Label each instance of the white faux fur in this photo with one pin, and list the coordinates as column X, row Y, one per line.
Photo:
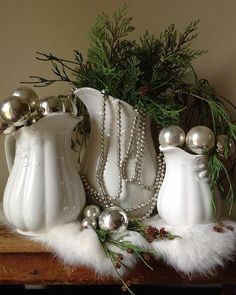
column 198, row 250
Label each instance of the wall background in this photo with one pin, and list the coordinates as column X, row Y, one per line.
column 60, row 26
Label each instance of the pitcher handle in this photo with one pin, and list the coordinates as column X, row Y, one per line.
column 9, row 145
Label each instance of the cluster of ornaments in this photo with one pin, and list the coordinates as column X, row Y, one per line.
column 199, row 140
column 24, row 108
column 112, row 219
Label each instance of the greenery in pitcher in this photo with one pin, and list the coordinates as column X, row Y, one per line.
column 154, row 75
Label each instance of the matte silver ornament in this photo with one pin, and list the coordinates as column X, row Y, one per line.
column 50, row 104
column 114, row 220
column 225, row 146
column 91, row 211
column 172, row 136
column 200, row 140
column 5, row 128
column 68, row 106
column 88, row 222
column 14, row 111
column 29, row 96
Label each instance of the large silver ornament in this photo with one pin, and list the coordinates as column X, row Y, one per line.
column 225, row 146
column 68, row 106
column 29, row 96
column 114, row 220
column 172, row 136
column 91, row 211
column 50, row 104
column 14, row 111
column 200, row 140
column 5, row 128
column 89, row 223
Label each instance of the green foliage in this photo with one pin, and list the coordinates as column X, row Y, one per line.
column 153, row 74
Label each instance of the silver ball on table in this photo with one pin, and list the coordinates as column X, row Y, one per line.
column 172, row 136
column 91, row 211
column 200, row 140
column 114, row 220
column 88, row 222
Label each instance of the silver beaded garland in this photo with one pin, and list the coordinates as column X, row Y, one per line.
column 114, row 220
column 172, row 136
column 200, row 140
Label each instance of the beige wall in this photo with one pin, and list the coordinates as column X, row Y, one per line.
column 60, row 26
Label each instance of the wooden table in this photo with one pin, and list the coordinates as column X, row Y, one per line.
column 24, row 262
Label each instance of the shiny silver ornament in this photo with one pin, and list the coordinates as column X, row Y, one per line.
column 14, row 111
column 29, row 96
column 172, row 136
column 91, row 211
column 114, row 220
column 5, row 128
column 50, row 104
column 225, row 146
column 88, row 222
column 68, row 106
column 33, row 119
column 200, row 140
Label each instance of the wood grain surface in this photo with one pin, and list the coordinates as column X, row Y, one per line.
column 25, row 262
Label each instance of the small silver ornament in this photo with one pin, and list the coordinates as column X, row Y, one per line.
column 50, row 104
column 14, row 111
column 5, row 128
column 33, row 119
column 200, row 140
column 225, row 146
column 172, row 136
column 91, row 211
column 68, row 106
column 88, row 222
column 29, row 96
column 114, row 220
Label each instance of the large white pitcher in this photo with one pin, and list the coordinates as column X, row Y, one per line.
column 44, row 188
column 185, row 197
column 132, row 195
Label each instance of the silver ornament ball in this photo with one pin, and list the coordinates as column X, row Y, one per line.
column 200, row 140
column 91, row 211
column 50, row 104
column 172, row 136
column 5, row 128
column 29, row 96
column 88, row 222
column 68, row 106
column 14, row 111
column 114, row 220
column 225, row 146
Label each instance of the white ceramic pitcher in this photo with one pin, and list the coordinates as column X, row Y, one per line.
column 185, row 197
column 44, row 188
column 132, row 194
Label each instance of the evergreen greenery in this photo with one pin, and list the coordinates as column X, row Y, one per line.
column 153, row 74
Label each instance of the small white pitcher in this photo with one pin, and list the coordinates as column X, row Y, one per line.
column 185, row 197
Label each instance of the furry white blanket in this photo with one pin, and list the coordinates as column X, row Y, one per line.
column 198, row 249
